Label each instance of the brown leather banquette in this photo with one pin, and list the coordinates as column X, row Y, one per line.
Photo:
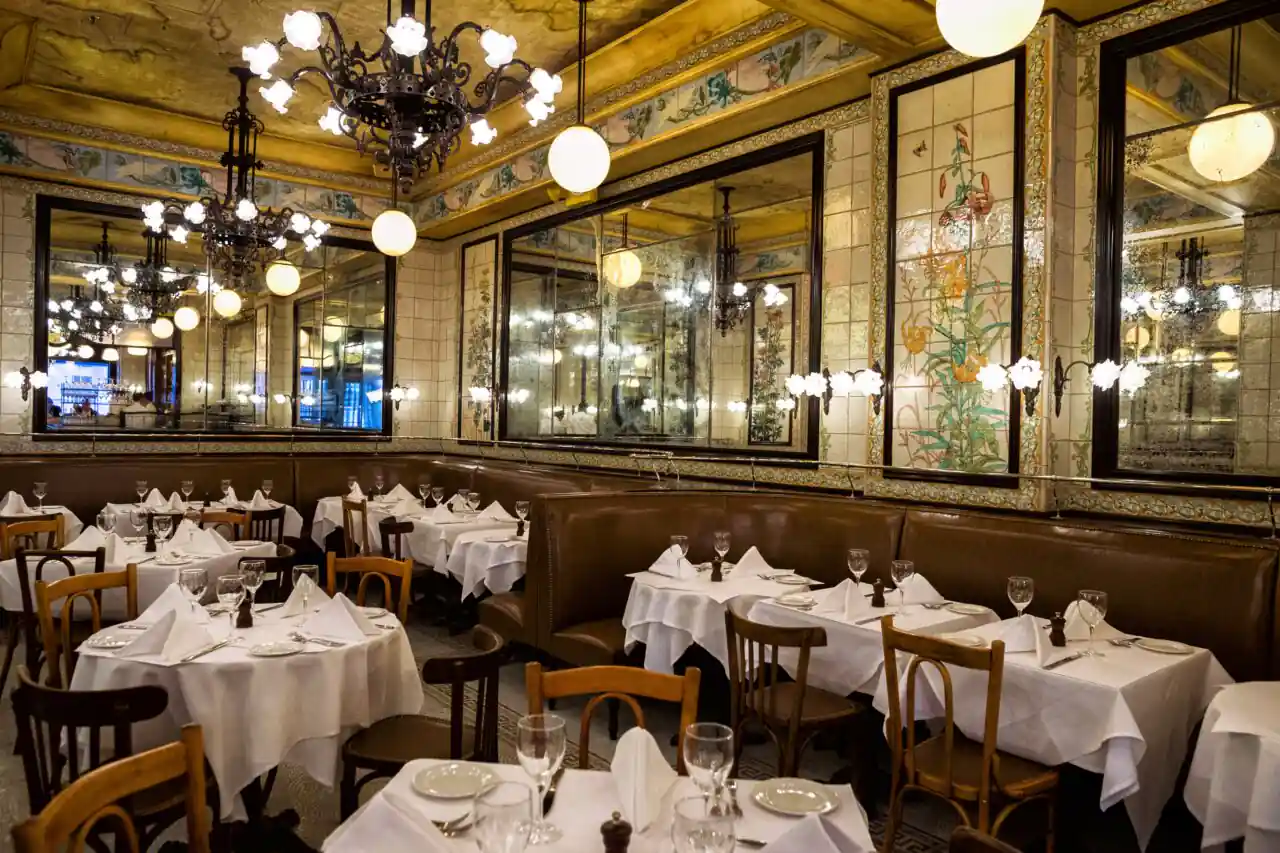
column 1215, row 591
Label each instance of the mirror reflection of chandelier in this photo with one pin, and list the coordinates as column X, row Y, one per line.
column 732, row 298
column 153, row 287
column 90, row 313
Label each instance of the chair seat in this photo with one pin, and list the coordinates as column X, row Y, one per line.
column 1017, row 777
column 401, row 739
column 820, row 707
column 601, row 642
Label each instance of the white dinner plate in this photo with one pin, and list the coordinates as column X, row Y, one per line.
column 278, row 649
column 797, row 600
column 107, row 641
column 964, row 640
column 247, row 543
column 373, row 612
column 794, row 797
column 966, row 609
column 455, row 780
column 170, row 562
column 794, row 580
column 499, row 539
column 1164, row 647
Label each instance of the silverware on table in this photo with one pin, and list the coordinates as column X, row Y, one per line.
column 455, row 826
column 732, row 787
column 1067, row 659
column 752, row 843
column 1123, row 642
column 320, row 641
column 209, row 649
column 549, row 798
column 869, row 619
column 936, row 606
column 270, row 607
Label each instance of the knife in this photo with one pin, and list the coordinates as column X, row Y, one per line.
column 1067, row 659
column 206, row 650
column 270, row 607
column 549, row 797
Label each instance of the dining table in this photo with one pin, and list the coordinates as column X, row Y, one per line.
column 486, row 560
column 291, row 526
column 71, row 523
column 398, row 819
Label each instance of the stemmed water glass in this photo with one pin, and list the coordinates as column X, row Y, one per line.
column 424, row 489
column 193, row 582
column 1093, row 609
column 708, row 756
column 473, row 502
column 138, row 518
column 701, row 826
column 106, row 521
column 900, row 571
column 858, row 560
column 721, row 545
column 40, row 490
column 251, row 575
column 162, row 524
column 681, row 544
column 310, row 574
column 230, row 594
column 540, row 745
column 141, row 488
column 378, row 483
column 522, row 510
column 461, row 497
column 187, row 487
column 502, row 817
column 437, row 495
column 267, row 486
column 1021, row 590
column 225, row 485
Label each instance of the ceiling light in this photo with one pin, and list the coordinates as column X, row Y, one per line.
column 283, row 278
column 186, row 318
column 136, row 350
column 394, row 232
column 110, row 354
column 226, row 303
column 1235, row 140
column 85, row 351
column 162, row 328
column 989, row 27
column 579, row 157
column 332, row 334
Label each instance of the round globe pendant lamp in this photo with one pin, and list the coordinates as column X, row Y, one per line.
column 623, row 269
column 987, row 27
column 162, row 328
column 186, row 318
column 579, row 157
column 226, row 303
column 394, row 232
column 283, row 278
column 1235, row 140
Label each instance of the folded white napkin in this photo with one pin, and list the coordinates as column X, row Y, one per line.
column 406, row 508
column 495, row 512
column 388, row 822
column 1019, row 634
column 1078, row 629
column 89, row 539
column 454, row 502
column 399, row 493
column 1047, row 652
column 355, row 494
column 341, row 620
column 173, row 637
column 316, row 597
column 815, row 834
column 440, row 513
column 642, row 776
column 208, row 542
column 14, row 505
column 847, row 599
column 260, row 501
column 917, row 590
column 751, row 563
column 671, row 564
column 119, row 552
column 154, row 500
column 170, row 600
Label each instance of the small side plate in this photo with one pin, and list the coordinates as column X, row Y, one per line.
column 247, row 543
column 966, row 609
column 797, row 600
column 794, row 797
column 1164, row 647
column 278, row 649
column 454, row 780
column 794, row 580
column 964, row 640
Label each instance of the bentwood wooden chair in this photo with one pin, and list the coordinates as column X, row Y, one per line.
column 47, row 533
column 265, row 525
column 389, row 744
column 792, row 711
column 396, row 595
column 355, row 527
column 58, row 634
column 227, row 523
column 966, row 840
column 621, row 683
column 392, row 533
column 972, row 777
column 98, row 801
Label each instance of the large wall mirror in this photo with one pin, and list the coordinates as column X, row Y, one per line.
column 144, row 337
column 1189, row 229
column 671, row 317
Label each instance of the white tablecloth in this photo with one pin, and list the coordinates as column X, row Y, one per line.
column 431, row 541
column 152, row 579
column 479, row 563
column 853, row 658
column 125, row 527
column 1128, row 716
column 397, row 820
column 258, row 713
column 428, row 544
column 328, row 518
column 71, row 524
column 1234, row 785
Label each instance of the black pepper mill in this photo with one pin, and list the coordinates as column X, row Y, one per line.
column 616, row 833
column 716, row 574
column 877, row 593
column 244, row 616
column 520, row 528
column 151, row 534
column 1057, row 630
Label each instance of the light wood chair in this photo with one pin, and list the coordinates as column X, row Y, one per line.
column 28, row 534
column 969, row 775
column 59, row 635
column 621, row 683
column 92, row 804
column 355, row 527
column 369, row 568
column 966, row 840
column 234, row 522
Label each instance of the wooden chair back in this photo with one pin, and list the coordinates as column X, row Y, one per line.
column 622, row 683
column 28, row 534
column 266, row 525
column 966, row 840
column 59, row 649
column 75, row 815
column 50, row 718
column 392, row 534
column 229, row 523
column 355, row 527
column 29, row 575
column 459, row 670
column 277, row 580
column 384, row 569
column 939, row 654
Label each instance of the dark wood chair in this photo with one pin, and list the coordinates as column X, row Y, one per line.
column 966, row 840
column 392, row 533
column 26, row 622
column 266, row 525
column 395, row 595
column 105, row 800
column 968, row 775
column 389, row 744
column 355, row 527
column 277, row 580
column 228, row 523
column 791, row 711
column 29, row 533
column 57, row 635
column 619, row 683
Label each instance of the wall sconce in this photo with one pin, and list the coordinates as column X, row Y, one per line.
column 397, row 394
column 287, row 399
column 1103, row 374
column 1025, row 374
column 868, row 381
column 480, row 395
column 25, row 379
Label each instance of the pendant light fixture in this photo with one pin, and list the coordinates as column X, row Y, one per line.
column 988, row 27
column 1235, row 139
column 623, row 268
column 579, row 157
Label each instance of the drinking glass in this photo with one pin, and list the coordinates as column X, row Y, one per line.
column 462, row 499
column 424, row 489
column 187, row 487
column 251, row 575
column 267, row 486
column 701, row 826
column 230, row 593
column 1093, row 609
column 708, row 755
column 138, row 518
column 473, row 501
column 225, row 485
column 502, row 818
column 352, row 482
column 106, row 521
column 162, row 524
column 437, row 495
column 900, row 570
column 522, row 509
column 681, row 544
column 1021, row 590
column 540, row 743
column 722, row 540
column 378, row 483
column 858, row 561
column 193, row 583
column 141, row 488
column 311, row 573
column 40, row 490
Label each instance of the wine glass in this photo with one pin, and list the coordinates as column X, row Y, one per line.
column 424, row 489
column 502, row 817
column 267, row 486
column 352, row 482
column 708, row 756
column 251, row 575
column 1021, row 590
column 141, row 488
column 901, row 571
column 473, row 501
column 193, row 582
column 230, row 593
column 437, row 495
column 540, row 744
column 40, row 490
column 304, row 579
column 681, row 544
column 701, row 826
column 378, row 483
column 106, row 521
column 858, row 560
column 522, row 510
column 138, row 518
column 460, row 500
column 162, row 524
column 187, row 487
column 1093, row 609
column 225, row 485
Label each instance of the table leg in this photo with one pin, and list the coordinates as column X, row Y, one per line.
column 263, row 833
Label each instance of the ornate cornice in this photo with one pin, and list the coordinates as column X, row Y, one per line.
column 1137, row 18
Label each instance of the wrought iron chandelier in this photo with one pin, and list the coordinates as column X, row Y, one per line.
column 90, row 314
column 239, row 237
column 731, row 298
column 406, row 102
column 153, row 288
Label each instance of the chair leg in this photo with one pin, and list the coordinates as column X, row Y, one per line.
column 10, row 648
column 347, row 795
column 895, row 815
column 268, row 785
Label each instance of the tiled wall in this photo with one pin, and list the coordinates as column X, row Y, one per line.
column 17, row 299
column 426, row 338
column 480, row 312
column 1258, row 430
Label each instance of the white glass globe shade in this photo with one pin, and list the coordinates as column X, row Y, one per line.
column 989, row 27
column 85, row 351
column 622, row 269
column 186, row 318
column 332, row 334
column 136, row 350
column 162, row 328
column 226, row 303
column 579, row 159
column 394, row 233
column 1232, row 148
column 283, row 278
column 111, row 354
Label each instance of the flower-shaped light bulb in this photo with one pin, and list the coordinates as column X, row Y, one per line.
column 815, row 384
column 1026, row 373
column 303, row 29
column 1132, row 377
column 194, row 213
column 538, row 111
column 546, row 85
column 130, row 275
column 408, row 36
column 332, row 120
column 278, row 95
column 482, row 133
column 842, row 383
column 246, row 210
column 179, row 233
column 300, row 222
column 499, row 49
column 319, row 227
column 868, row 382
column 1104, row 374
column 795, row 385
column 261, row 57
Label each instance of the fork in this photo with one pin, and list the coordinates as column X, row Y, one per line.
column 937, row 606
column 1124, row 642
column 456, row 826
column 321, row 641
